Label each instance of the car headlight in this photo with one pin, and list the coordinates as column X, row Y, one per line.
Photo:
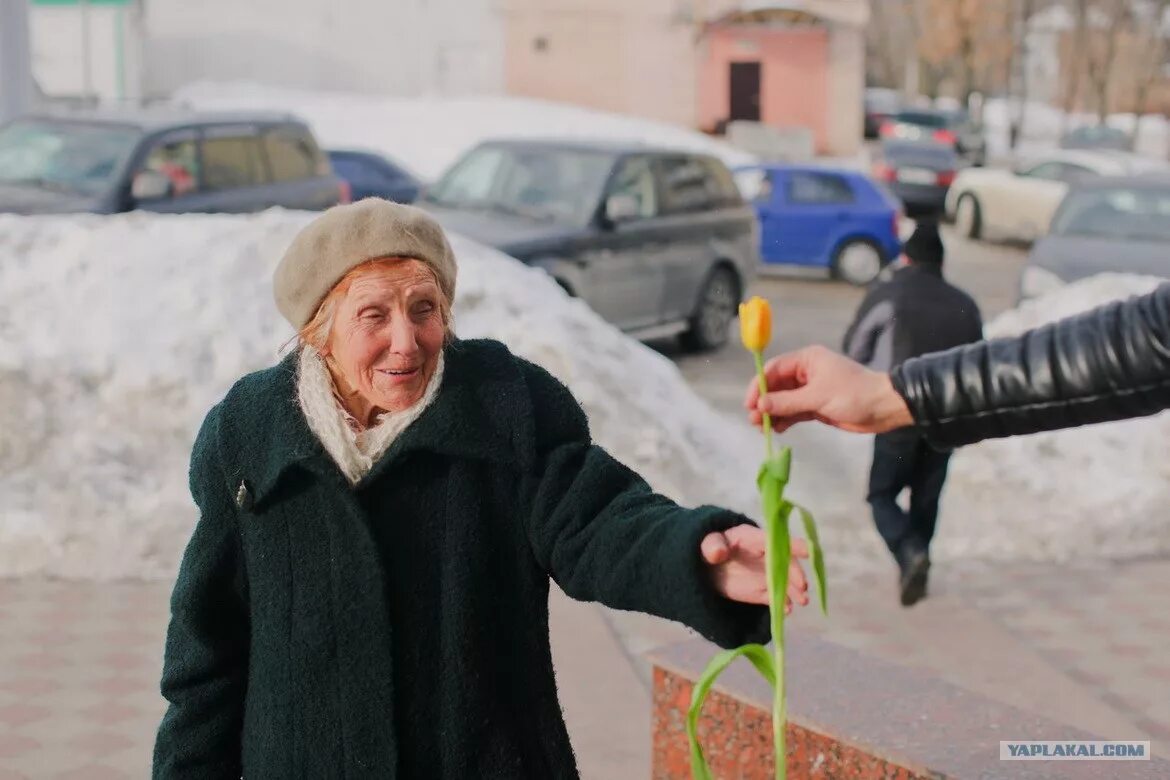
column 1038, row 281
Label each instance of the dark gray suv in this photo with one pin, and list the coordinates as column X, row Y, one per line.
column 162, row 160
column 658, row 242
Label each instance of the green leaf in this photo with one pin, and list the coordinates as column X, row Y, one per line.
column 758, row 655
column 816, row 553
column 777, row 468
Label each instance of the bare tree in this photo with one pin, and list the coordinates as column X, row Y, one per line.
column 966, row 38
column 1075, row 66
column 1104, row 45
column 1152, row 55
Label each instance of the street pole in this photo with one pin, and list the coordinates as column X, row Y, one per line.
column 16, row 87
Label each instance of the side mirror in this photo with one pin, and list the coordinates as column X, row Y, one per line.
column 151, row 185
column 622, row 208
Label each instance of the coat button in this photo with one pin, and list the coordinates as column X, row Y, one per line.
column 243, row 496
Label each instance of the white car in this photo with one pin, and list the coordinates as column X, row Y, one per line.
column 1018, row 204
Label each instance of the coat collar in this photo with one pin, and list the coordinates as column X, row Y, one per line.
column 479, row 413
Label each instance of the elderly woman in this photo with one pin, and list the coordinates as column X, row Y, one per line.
column 366, row 591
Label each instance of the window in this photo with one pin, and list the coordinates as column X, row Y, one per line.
column 725, row 190
column 64, row 156
column 538, row 181
column 470, row 181
column 1075, row 173
column 810, row 188
column 1128, row 214
column 231, row 162
column 687, row 185
column 178, row 160
column 1049, row 171
column 635, row 178
column 292, row 155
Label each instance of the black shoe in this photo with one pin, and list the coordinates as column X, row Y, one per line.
column 913, row 579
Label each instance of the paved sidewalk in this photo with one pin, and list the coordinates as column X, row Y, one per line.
column 1084, row 645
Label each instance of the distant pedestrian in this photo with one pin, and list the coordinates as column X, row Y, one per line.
column 913, row 313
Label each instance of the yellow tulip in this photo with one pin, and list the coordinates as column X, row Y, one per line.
column 755, row 324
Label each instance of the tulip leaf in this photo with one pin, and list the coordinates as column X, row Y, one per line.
column 760, row 658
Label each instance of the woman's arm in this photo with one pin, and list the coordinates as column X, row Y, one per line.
column 603, row 535
column 205, row 666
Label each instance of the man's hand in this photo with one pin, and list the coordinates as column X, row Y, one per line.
column 818, row 384
column 735, row 559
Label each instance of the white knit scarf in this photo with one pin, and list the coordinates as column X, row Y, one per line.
column 354, row 451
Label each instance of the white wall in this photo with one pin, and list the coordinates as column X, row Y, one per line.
column 393, row 47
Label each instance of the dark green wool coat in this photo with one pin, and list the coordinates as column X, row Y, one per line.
column 399, row 629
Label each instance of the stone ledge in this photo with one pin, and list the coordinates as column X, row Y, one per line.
column 854, row 716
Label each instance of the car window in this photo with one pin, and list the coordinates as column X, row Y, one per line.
column 1074, row 173
column 635, row 178
column 808, row 188
column 230, row 162
column 471, row 180
column 1049, row 171
column 1116, row 212
column 292, row 155
column 538, row 181
column 689, row 184
column 61, row 156
column 178, row 160
column 933, row 156
column 922, row 118
column 724, row 188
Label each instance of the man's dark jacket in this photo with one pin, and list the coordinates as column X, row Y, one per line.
column 1110, row 363
column 913, row 313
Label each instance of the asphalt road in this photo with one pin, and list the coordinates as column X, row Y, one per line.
column 817, row 311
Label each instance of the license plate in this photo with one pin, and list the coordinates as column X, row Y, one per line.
column 917, row 176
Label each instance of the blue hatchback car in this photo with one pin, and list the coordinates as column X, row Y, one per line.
column 829, row 218
column 371, row 175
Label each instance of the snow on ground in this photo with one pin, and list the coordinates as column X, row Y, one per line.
column 118, row 333
column 1096, row 491
column 428, row 134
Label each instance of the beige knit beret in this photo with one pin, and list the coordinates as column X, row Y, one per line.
column 346, row 236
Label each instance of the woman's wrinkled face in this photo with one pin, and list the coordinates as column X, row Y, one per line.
column 387, row 335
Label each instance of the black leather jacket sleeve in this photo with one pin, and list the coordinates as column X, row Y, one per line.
column 1107, row 364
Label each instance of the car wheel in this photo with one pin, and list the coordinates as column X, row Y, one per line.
column 858, row 262
column 968, row 216
column 711, row 323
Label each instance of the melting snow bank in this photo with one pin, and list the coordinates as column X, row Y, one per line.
column 1099, row 491
column 118, row 333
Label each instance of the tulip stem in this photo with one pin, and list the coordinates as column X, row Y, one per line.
column 759, row 356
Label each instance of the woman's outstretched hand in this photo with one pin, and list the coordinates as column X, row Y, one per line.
column 735, row 559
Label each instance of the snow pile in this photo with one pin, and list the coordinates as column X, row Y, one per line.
column 118, row 333
column 1044, row 125
column 1099, row 490
column 428, row 134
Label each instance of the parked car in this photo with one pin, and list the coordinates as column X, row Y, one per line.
column 1096, row 137
column 370, row 174
column 658, row 242
column 830, row 218
column 162, row 160
column 1115, row 224
column 955, row 129
column 880, row 105
column 919, row 174
column 1018, row 204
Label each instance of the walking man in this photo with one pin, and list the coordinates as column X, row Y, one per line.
column 915, row 312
